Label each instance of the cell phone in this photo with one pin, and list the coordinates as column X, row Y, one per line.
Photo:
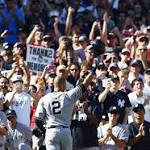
column 105, row 82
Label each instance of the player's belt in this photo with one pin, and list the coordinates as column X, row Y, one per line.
column 53, row 126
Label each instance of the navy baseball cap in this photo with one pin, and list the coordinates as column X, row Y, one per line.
column 11, row 113
column 138, row 107
column 115, row 78
column 135, row 62
column 113, row 110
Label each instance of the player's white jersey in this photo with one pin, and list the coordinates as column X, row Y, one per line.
column 56, row 108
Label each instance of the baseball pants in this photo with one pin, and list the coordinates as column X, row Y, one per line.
column 58, row 138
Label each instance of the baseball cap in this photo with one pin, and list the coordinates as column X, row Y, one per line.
column 17, row 78
column 18, row 44
column 113, row 109
column 64, row 38
column 53, row 13
column 125, row 50
column 47, row 37
column 135, row 62
column 10, row 113
column 138, row 107
column 83, row 38
column 114, row 78
column 6, row 46
column 90, row 48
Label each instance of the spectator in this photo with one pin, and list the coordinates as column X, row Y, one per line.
column 86, row 118
column 12, row 18
column 124, row 82
column 138, row 95
column 73, row 74
column 112, row 135
column 147, row 82
column 139, row 130
column 35, row 36
column 135, row 70
column 65, row 51
column 112, row 96
column 125, row 59
column 36, row 15
column 19, row 101
column 4, row 85
column 3, row 125
column 18, row 134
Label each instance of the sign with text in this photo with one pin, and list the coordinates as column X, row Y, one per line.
column 38, row 57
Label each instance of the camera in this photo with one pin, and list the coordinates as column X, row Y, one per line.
column 98, row 46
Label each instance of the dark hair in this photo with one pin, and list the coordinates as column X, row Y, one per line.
column 34, row 87
column 136, row 80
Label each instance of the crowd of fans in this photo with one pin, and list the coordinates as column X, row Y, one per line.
column 109, row 37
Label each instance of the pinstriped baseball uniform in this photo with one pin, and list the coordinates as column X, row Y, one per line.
column 56, row 110
column 3, row 124
column 120, row 131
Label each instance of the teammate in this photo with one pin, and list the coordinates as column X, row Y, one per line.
column 3, row 125
column 56, row 110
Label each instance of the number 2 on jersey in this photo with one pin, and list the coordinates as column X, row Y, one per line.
column 56, row 107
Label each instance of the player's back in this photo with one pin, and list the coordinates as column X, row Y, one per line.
column 58, row 108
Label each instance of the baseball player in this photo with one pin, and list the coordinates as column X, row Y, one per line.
column 56, row 110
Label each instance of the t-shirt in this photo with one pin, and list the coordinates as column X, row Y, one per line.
column 134, row 99
column 119, row 99
column 21, row 104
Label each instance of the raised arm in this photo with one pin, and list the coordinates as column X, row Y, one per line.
column 31, row 35
column 103, row 95
column 69, row 21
